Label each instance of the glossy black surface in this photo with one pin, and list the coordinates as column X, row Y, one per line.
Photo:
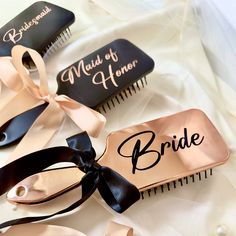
column 15, row 128
column 36, row 27
column 115, row 190
column 81, row 87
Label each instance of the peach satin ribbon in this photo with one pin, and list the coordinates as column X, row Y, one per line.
column 49, row 121
column 8, row 75
column 114, row 229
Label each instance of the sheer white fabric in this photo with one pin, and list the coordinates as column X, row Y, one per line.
column 182, row 79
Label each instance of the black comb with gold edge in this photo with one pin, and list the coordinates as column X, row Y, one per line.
column 103, row 78
column 42, row 26
column 165, row 153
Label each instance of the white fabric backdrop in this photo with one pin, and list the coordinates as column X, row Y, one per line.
column 182, row 79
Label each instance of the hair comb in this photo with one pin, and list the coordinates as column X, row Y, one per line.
column 110, row 73
column 42, row 26
column 114, row 71
column 159, row 154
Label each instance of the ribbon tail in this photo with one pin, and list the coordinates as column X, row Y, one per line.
column 80, row 142
column 89, row 185
column 41, row 132
column 31, row 219
column 9, row 75
column 117, row 192
column 31, row 164
column 86, row 118
column 21, row 102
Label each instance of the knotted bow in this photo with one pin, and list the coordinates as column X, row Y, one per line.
column 116, row 191
column 46, row 125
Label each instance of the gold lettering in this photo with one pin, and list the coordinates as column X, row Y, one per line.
column 88, row 67
column 111, row 55
column 130, row 66
column 47, row 9
column 42, row 14
column 38, row 18
column 118, row 73
column 14, row 36
column 68, row 74
column 135, row 62
column 98, row 61
column 112, row 76
column 99, row 78
column 71, row 72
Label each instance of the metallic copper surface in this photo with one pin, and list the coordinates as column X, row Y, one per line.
column 148, row 155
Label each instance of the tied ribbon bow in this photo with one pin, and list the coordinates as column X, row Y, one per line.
column 116, row 191
column 49, row 121
column 9, row 75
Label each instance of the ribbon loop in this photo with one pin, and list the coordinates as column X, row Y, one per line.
column 117, row 192
column 59, row 105
column 17, row 54
column 9, row 75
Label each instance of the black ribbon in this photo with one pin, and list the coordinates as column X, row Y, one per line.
column 116, row 191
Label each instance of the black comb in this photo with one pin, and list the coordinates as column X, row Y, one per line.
column 82, row 81
column 42, row 26
column 95, row 80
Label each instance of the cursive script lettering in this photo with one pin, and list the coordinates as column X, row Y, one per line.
column 13, row 35
column 71, row 72
column 111, row 55
column 100, row 78
column 138, row 152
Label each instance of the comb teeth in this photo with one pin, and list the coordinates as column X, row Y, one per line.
column 42, row 26
column 110, row 73
column 57, row 43
column 174, row 184
column 123, row 95
column 51, row 48
column 151, row 138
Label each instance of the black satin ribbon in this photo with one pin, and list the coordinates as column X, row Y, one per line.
column 116, row 191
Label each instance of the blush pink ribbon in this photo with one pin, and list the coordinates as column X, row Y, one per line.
column 49, row 121
column 114, row 229
column 9, row 75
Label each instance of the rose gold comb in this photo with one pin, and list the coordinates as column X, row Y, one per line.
column 164, row 152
